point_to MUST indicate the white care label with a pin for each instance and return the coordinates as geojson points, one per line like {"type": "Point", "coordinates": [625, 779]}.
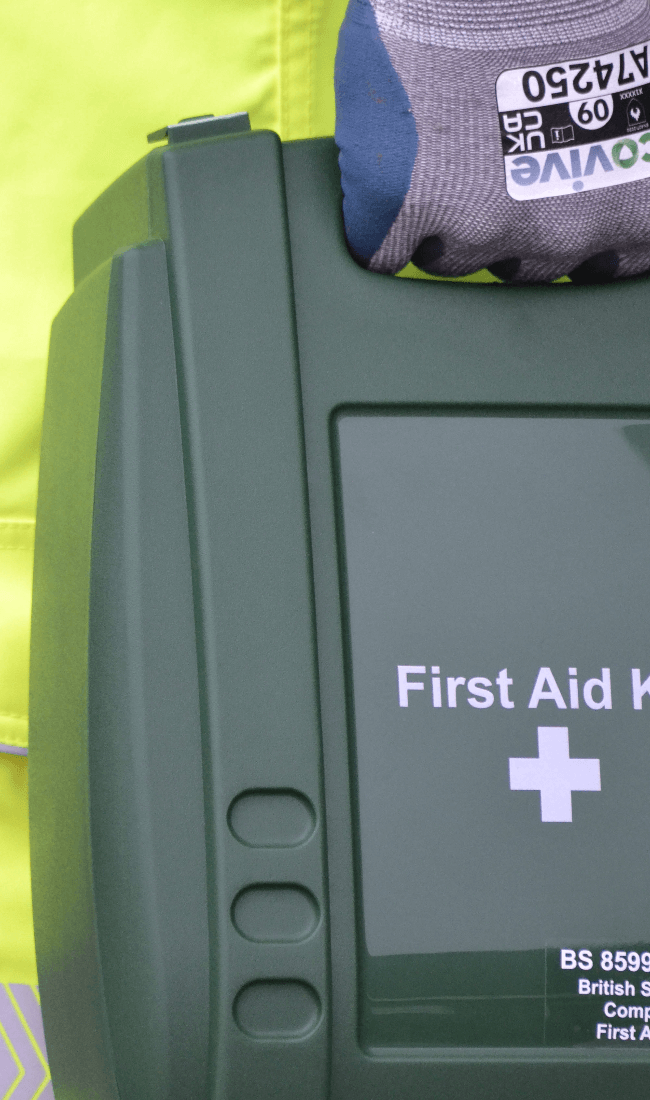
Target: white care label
{"type": "Point", "coordinates": [576, 126]}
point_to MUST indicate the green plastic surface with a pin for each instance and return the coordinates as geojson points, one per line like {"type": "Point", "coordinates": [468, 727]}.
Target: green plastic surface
{"type": "Point", "coordinates": [504, 552]}
{"type": "Point", "coordinates": [206, 577]}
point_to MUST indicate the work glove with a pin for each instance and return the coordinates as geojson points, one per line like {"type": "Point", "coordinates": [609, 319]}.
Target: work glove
{"type": "Point", "coordinates": [508, 134]}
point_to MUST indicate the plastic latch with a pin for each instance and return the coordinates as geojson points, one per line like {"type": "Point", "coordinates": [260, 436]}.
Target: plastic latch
{"type": "Point", "coordinates": [202, 126]}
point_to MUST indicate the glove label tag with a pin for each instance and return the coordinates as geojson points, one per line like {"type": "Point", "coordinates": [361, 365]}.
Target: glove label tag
{"type": "Point", "coordinates": [576, 126]}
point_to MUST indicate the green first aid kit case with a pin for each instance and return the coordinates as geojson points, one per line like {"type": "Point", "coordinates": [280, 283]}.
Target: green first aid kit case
{"type": "Point", "coordinates": [340, 743]}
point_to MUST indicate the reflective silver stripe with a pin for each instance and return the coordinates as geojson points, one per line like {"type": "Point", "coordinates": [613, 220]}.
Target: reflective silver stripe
{"type": "Point", "coordinates": [13, 749]}
{"type": "Point", "coordinates": [24, 1073]}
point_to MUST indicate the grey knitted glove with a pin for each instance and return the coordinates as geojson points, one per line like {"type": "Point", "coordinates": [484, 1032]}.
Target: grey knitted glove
{"type": "Point", "coordinates": [509, 134]}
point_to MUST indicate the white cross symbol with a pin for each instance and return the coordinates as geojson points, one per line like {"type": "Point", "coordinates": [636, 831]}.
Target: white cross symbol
{"type": "Point", "coordinates": [554, 774]}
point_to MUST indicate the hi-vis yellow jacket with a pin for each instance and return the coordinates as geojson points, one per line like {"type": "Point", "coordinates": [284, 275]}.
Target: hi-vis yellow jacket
{"type": "Point", "coordinates": [82, 84]}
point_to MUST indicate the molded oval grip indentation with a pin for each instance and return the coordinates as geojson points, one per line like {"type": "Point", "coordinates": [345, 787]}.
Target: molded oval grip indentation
{"type": "Point", "coordinates": [277, 1009]}
{"type": "Point", "coordinates": [271, 819]}
{"type": "Point", "coordinates": [275, 913]}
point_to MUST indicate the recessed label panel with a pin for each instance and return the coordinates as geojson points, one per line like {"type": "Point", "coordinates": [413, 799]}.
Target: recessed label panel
{"type": "Point", "coordinates": [498, 573]}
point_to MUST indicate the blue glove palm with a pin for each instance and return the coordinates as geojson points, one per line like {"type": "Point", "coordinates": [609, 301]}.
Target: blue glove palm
{"type": "Point", "coordinates": [375, 131]}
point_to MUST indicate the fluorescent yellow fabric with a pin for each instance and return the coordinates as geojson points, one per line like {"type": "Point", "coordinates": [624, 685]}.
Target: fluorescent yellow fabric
{"type": "Point", "coordinates": [21, 392]}
{"type": "Point", "coordinates": [17, 960]}
{"type": "Point", "coordinates": [84, 81]}
{"type": "Point", "coordinates": [21, 387]}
